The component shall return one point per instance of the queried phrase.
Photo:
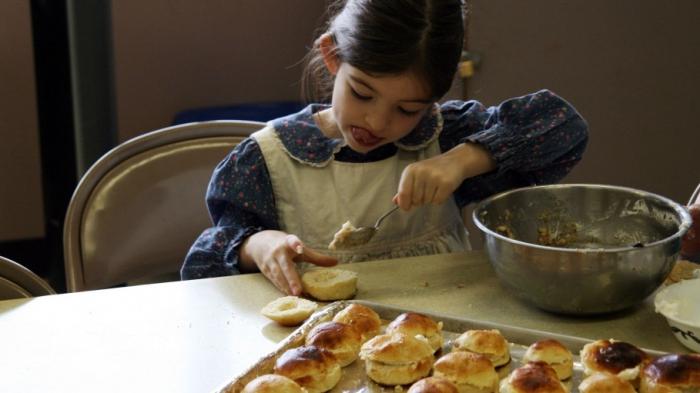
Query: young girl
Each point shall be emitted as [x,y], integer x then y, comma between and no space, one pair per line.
[280,195]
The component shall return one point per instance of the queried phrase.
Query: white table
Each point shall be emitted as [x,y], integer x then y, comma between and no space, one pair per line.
[197,335]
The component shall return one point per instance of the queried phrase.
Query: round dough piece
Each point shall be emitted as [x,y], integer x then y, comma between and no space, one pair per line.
[343,340]
[534,377]
[614,357]
[470,372]
[289,310]
[412,324]
[330,284]
[315,369]
[397,359]
[487,342]
[362,318]
[675,373]
[272,383]
[433,385]
[605,383]
[553,353]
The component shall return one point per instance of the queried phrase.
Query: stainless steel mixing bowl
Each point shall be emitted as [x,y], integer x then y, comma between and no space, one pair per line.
[581,248]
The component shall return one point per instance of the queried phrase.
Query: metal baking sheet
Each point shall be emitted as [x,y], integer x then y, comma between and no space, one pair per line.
[354,378]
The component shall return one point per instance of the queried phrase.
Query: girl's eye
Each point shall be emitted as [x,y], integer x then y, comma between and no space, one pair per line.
[358,95]
[406,112]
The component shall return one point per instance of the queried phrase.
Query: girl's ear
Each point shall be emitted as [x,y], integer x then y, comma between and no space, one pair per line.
[330,58]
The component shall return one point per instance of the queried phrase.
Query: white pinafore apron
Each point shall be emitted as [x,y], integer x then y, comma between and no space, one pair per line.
[313,202]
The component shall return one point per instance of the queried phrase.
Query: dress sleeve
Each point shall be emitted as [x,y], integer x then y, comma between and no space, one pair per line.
[241,203]
[534,139]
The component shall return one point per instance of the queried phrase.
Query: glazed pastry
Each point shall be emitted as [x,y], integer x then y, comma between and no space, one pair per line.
[534,377]
[272,383]
[614,357]
[397,359]
[365,320]
[553,353]
[672,374]
[487,342]
[413,324]
[341,339]
[315,369]
[470,372]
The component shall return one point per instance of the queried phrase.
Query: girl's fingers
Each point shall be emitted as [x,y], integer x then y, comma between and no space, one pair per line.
[290,276]
[418,191]
[274,274]
[295,244]
[405,192]
[315,257]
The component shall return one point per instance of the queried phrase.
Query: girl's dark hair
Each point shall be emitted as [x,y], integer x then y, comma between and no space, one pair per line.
[382,37]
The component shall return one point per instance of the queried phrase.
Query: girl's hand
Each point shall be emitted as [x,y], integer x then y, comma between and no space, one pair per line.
[690,245]
[275,254]
[435,179]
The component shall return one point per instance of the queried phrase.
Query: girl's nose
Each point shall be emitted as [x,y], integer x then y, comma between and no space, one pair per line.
[378,120]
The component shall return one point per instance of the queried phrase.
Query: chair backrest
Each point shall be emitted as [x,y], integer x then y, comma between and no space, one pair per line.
[138,209]
[16,281]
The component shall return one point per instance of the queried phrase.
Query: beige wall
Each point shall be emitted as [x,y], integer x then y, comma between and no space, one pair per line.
[171,55]
[630,67]
[21,208]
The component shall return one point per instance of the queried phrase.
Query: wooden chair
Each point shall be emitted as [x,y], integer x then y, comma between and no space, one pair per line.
[16,281]
[138,209]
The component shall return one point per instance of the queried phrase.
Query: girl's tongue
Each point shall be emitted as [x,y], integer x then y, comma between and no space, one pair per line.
[364,137]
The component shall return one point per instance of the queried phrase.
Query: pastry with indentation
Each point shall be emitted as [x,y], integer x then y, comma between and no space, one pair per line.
[433,385]
[676,373]
[272,383]
[413,324]
[553,353]
[470,372]
[397,359]
[362,318]
[614,357]
[329,284]
[343,340]
[289,310]
[315,369]
[533,377]
[605,383]
[487,342]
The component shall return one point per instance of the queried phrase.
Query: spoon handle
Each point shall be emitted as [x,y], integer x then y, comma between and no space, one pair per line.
[380,219]
[694,197]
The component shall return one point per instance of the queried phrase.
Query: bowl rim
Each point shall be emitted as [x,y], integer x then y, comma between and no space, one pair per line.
[673,287]
[682,212]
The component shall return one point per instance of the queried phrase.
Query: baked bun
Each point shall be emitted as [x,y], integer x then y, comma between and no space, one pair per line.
[330,284]
[613,357]
[672,374]
[397,359]
[289,310]
[272,383]
[605,383]
[470,372]
[487,342]
[414,324]
[534,377]
[553,353]
[362,318]
[433,385]
[315,369]
[342,340]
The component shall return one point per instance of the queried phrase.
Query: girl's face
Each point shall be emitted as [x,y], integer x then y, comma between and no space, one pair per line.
[371,111]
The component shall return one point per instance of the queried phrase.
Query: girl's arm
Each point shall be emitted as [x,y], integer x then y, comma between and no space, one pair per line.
[240,203]
[533,139]
[246,236]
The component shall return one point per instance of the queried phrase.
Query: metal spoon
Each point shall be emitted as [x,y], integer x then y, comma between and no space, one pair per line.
[349,236]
